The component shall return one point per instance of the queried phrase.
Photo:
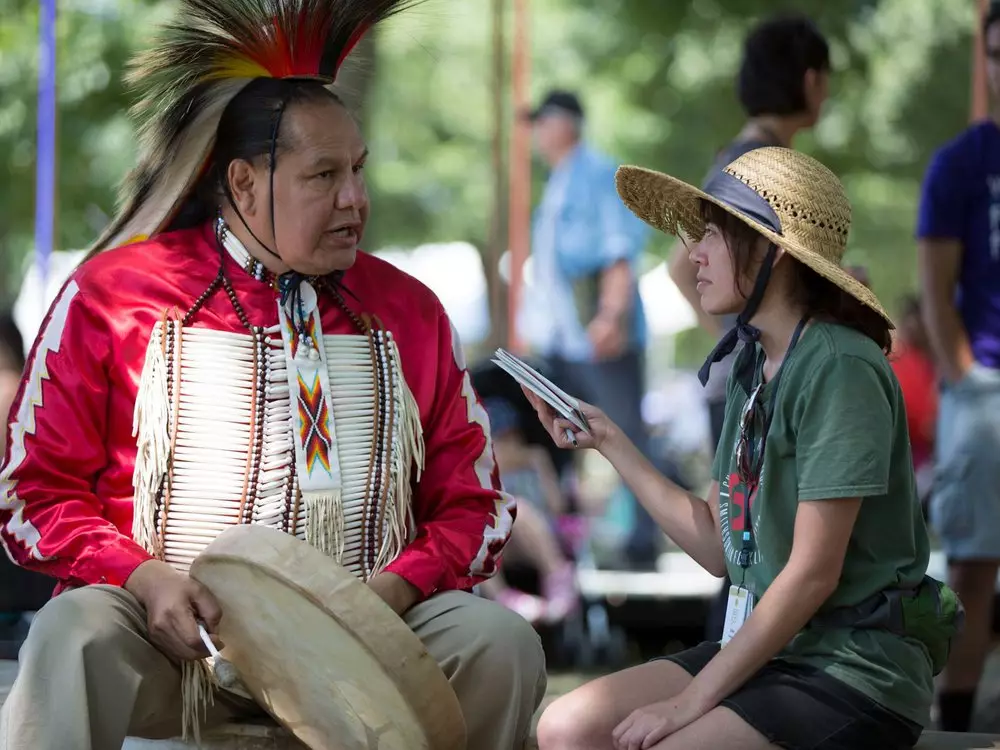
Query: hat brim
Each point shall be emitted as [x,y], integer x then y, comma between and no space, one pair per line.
[672,206]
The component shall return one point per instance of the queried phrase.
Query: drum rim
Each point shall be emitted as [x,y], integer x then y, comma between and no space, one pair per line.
[422,685]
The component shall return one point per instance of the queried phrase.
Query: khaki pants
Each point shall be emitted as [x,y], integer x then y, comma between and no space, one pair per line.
[89,676]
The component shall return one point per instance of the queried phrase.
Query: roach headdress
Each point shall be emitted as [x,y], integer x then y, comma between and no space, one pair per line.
[198,63]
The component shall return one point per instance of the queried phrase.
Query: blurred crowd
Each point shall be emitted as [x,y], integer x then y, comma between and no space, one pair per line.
[584,323]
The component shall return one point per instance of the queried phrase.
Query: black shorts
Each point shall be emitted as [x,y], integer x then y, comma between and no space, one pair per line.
[799,707]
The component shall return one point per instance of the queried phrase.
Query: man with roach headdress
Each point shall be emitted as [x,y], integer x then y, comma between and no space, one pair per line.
[226,355]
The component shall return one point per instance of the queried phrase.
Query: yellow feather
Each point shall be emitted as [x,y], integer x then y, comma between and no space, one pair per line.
[239,67]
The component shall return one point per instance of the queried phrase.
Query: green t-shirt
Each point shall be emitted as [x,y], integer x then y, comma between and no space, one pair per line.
[838,431]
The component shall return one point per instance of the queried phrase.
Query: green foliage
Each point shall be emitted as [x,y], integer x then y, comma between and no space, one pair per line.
[95,143]
[658,82]
[656,77]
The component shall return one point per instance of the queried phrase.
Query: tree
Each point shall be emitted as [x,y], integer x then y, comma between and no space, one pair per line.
[95,144]
[657,79]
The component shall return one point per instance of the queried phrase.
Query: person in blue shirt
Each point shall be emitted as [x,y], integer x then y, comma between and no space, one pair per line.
[958,233]
[582,313]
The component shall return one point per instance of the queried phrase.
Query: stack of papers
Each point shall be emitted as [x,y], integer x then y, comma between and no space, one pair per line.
[564,404]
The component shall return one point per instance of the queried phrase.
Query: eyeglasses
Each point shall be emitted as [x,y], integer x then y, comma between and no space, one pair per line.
[750,446]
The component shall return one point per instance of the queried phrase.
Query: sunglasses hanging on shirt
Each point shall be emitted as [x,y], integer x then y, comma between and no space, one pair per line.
[755,422]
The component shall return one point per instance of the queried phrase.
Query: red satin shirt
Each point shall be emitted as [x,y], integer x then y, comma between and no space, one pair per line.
[66,481]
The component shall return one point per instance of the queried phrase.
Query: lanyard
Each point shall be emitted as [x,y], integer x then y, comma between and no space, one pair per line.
[757,461]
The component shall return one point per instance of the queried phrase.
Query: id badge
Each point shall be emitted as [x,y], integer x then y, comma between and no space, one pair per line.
[738,610]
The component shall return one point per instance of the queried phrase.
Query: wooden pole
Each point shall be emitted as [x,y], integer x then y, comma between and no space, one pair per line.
[499,221]
[980,93]
[520,169]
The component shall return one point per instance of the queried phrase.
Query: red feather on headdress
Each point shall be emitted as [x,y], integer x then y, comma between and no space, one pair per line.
[199,62]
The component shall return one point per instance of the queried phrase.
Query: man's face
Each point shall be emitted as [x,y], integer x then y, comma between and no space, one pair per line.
[816,88]
[993,59]
[553,133]
[320,198]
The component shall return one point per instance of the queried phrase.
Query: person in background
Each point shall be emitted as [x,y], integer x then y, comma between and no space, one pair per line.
[526,473]
[958,239]
[21,591]
[913,364]
[586,319]
[860,273]
[782,85]
[11,367]
[526,470]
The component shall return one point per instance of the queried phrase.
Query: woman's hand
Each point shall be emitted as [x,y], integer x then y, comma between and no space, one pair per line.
[645,727]
[601,428]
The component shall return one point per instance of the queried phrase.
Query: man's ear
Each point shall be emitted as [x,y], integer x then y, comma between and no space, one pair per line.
[243,185]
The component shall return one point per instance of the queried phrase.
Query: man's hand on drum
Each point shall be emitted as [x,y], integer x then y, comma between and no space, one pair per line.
[602,429]
[174,603]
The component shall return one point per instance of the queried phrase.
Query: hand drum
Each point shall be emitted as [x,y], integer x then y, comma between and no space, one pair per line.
[321,652]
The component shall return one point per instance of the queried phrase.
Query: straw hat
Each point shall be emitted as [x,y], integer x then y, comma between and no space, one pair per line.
[808,200]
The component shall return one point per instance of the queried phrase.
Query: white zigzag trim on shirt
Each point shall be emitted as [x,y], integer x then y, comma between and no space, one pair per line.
[24,424]
[503,519]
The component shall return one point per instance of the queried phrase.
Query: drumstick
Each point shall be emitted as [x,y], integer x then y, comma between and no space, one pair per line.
[224,671]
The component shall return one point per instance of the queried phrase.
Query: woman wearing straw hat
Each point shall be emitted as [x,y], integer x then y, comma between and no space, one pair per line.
[812,510]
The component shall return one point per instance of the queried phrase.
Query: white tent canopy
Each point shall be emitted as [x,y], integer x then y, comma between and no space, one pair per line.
[452,270]
[33,301]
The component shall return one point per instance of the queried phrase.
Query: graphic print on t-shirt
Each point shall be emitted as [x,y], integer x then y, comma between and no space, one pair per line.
[733,507]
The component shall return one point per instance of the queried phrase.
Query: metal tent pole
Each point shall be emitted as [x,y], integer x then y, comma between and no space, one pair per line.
[45,175]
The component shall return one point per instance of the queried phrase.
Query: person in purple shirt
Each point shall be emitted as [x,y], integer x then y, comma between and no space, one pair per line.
[958,232]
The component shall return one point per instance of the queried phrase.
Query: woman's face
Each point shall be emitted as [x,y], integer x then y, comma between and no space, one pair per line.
[320,197]
[716,277]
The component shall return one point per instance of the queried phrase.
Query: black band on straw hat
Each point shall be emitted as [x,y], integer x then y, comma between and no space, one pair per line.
[740,197]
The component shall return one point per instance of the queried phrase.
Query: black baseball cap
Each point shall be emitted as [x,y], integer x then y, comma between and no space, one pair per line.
[558,102]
